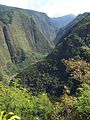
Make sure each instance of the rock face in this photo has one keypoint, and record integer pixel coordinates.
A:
(22, 33)
(4, 53)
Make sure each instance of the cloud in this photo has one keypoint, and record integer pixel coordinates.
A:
(36, 3)
(63, 7)
(33, 4)
(52, 7)
(15, 3)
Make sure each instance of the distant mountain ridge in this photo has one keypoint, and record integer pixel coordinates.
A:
(75, 39)
(64, 30)
(63, 20)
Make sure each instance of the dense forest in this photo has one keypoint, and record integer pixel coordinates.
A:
(40, 80)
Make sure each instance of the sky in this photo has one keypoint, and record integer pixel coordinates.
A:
(53, 8)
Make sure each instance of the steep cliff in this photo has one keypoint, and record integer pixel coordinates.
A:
(24, 34)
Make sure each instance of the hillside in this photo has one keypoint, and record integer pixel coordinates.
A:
(38, 80)
(60, 84)
(68, 27)
(54, 72)
(24, 35)
(76, 42)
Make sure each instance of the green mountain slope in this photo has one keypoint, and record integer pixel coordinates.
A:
(57, 88)
(76, 41)
(65, 66)
(67, 28)
(24, 35)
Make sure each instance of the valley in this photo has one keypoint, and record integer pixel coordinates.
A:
(45, 65)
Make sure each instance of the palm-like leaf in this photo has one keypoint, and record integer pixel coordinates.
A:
(9, 116)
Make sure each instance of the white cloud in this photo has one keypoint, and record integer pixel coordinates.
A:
(52, 7)
(63, 7)
(15, 3)
(33, 4)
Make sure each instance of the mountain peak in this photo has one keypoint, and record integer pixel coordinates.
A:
(63, 20)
